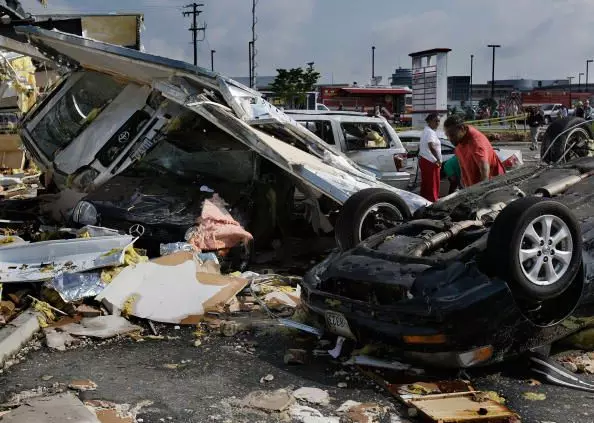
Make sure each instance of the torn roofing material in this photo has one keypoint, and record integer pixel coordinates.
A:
(169, 289)
(40, 261)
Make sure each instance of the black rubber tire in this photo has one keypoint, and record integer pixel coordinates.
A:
(504, 241)
(556, 128)
(347, 225)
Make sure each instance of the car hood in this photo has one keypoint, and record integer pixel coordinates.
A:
(331, 173)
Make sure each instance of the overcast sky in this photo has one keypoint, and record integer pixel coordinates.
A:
(541, 39)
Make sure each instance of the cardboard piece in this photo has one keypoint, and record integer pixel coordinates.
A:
(12, 155)
(170, 289)
(461, 407)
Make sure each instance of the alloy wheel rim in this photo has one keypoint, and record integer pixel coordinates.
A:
(546, 250)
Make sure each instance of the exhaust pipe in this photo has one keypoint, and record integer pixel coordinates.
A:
(562, 185)
(442, 237)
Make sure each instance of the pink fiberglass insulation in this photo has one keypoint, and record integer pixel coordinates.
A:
(217, 230)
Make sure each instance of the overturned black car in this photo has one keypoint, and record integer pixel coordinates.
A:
(487, 273)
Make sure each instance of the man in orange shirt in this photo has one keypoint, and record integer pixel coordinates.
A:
(478, 160)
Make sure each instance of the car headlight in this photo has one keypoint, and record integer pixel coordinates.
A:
(85, 214)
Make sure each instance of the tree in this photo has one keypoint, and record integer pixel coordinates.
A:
(292, 85)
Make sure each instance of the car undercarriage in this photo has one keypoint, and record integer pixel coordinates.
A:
(479, 276)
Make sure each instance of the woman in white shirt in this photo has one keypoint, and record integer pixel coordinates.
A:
(430, 159)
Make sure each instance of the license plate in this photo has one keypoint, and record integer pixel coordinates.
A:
(338, 324)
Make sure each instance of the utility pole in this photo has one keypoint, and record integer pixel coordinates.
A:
(470, 87)
(580, 81)
(570, 78)
(194, 12)
(493, 46)
(373, 63)
(587, 69)
(250, 48)
(254, 51)
(212, 52)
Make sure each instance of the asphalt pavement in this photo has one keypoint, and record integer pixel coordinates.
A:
(205, 383)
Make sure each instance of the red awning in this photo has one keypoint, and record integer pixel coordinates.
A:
(380, 91)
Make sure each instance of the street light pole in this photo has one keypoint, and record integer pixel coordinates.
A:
(493, 46)
(212, 52)
(570, 78)
(373, 63)
(580, 81)
(470, 88)
(587, 69)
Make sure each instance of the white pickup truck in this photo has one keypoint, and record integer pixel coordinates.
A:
(551, 112)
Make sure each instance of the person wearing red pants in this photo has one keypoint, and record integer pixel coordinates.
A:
(430, 159)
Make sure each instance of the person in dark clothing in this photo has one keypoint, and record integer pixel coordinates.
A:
(579, 110)
(534, 121)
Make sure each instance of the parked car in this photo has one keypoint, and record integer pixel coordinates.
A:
(148, 138)
(346, 132)
(510, 158)
(496, 270)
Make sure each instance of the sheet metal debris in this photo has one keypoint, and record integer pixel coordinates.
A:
(301, 326)
(40, 261)
(77, 286)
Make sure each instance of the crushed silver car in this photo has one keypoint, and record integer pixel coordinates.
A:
(115, 107)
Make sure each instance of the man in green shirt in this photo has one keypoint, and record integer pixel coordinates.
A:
(451, 168)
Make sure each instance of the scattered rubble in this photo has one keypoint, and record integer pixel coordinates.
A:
(53, 409)
(295, 356)
(267, 378)
(305, 414)
(312, 396)
(82, 385)
(101, 327)
(534, 396)
(275, 401)
(356, 412)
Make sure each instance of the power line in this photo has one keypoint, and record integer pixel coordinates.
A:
(194, 12)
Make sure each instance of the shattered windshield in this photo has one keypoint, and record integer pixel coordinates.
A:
(78, 107)
(193, 148)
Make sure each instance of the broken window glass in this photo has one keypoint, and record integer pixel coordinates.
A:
(77, 108)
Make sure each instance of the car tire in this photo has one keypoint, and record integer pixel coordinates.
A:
(352, 224)
(552, 154)
(511, 238)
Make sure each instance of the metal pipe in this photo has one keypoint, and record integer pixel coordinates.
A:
(562, 185)
(442, 237)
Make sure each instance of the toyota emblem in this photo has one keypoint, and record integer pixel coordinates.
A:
(124, 136)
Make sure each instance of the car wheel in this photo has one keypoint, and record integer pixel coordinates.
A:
(367, 213)
(571, 134)
(535, 245)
